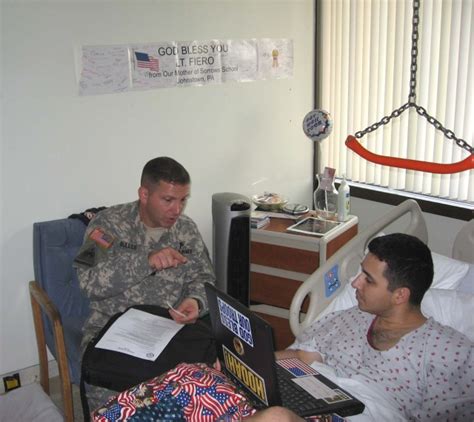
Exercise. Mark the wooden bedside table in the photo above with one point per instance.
(280, 261)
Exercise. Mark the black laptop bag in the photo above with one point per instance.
(118, 371)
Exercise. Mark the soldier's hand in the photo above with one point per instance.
(186, 312)
(165, 258)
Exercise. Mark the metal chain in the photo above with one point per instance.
(384, 121)
(412, 95)
(415, 21)
(447, 132)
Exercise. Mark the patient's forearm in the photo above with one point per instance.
(307, 357)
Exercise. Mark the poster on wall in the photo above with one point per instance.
(194, 63)
(179, 64)
(104, 70)
(275, 59)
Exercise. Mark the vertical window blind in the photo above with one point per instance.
(364, 63)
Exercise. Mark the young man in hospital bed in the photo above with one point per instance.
(417, 368)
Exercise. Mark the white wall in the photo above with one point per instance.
(61, 153)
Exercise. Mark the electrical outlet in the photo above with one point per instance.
(11, 382)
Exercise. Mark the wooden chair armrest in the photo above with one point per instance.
(41, 302)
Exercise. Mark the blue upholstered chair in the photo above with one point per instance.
(59, 307)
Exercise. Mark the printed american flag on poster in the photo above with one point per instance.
(296, 367)
(145, 61)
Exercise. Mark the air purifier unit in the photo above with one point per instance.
(231, 244)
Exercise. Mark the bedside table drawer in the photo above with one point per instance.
(272, 290)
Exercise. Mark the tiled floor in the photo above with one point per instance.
(76, 397)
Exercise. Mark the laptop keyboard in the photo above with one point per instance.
(294, 397)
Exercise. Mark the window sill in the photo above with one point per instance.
(427, 204)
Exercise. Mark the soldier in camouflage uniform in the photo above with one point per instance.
(145, 252)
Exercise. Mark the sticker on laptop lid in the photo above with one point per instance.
(238, 346)
(245, 375)
(236, 322)
(320, 390)
(101, 238)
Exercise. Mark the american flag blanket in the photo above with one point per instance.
(189, 392)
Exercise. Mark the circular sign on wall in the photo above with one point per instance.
(317, 125)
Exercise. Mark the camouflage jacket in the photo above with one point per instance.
(116, 273)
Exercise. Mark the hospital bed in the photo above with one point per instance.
(450, 300)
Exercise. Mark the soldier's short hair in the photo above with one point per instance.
(164, 169)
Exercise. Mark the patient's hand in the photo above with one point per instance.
(275, 414)
(217, 365)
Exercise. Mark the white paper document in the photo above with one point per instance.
(139, 334)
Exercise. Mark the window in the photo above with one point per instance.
(364, 67)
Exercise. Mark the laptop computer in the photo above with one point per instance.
(245, 349)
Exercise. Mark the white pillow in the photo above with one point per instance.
(448, 272)
(345, 299)
(452, 308)
(467, 283)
